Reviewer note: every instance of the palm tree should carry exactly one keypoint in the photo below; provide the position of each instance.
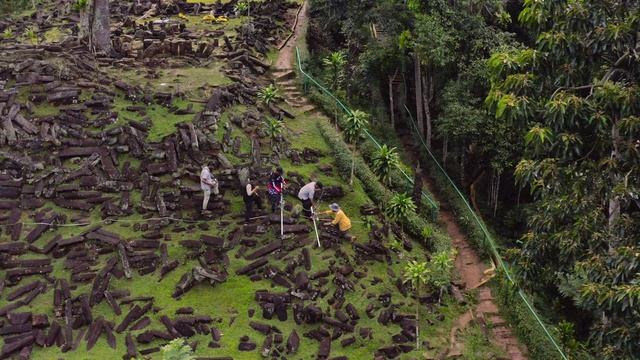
(417, 274)
(273, 128)
(384, 160)
(335, 62)
(355, 122)
(268, 94)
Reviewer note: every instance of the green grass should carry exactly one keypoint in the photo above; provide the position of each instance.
(163, 122)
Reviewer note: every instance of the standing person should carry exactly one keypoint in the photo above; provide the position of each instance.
(275, 187)
(250, 196)
(340, 221)
(306, 195)
(207, 184)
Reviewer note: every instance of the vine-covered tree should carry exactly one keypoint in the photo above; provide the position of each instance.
(577, 94)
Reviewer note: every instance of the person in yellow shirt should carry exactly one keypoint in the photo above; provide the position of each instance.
(340, 220)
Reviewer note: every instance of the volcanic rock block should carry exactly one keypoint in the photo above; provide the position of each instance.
(269, 248)
(260, 327)
(252, 266)
(132, 352)
(293, 342)
(247, 346)
(213, 241)
(10, 348)
(325, 348)
(23, 290)
(141, 324)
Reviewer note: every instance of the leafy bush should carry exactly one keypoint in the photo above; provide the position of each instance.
(177, 349)
(80, 5)
(241, 8)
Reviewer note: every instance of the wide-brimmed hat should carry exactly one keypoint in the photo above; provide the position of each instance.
(334, 207)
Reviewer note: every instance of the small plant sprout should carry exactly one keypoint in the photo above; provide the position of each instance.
(416, 274)
(7, 33)
(273, 128)
(268, 94)
(32, 35)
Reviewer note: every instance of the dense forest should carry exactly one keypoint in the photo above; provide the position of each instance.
(534, 109)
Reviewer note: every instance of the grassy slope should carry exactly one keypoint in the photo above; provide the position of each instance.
(230, 302)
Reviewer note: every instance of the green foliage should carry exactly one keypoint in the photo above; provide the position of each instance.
(335, 63)
(273, 128)
(80, 5)
(400, 206)
(384, 160)
(7, 33)
(354, 124)
(440, 267)
(416, 274)
(269, 94)
(177, 349)
(577, 161)
(380, 194)
(32, 34)
(241, 7)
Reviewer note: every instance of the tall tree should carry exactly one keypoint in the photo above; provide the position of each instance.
(94, 25)
(577, 92)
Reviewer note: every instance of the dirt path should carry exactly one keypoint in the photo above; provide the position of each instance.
(471, 270)
(287, 53)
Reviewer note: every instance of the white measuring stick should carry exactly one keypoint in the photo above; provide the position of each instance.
(281, 216)
(315, 227)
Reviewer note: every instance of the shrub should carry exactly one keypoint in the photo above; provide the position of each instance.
(177, 349)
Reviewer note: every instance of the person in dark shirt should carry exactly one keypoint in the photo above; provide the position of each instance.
(275, 187)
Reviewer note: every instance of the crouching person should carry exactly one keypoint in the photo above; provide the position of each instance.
(250, 197)
(340, 221)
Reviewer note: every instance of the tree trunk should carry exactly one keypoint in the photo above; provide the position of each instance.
(614, 200)
(417, 188)
(84, 27)
(417, 318)
(391, 106)
(445, 145)
(353, 165)
(100, 31)
(418, 84)
(427, 96)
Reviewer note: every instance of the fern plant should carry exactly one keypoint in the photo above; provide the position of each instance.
(177, 349)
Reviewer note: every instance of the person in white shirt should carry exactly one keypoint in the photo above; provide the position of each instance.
(208, 183)
(250, 196)
(306, 195)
